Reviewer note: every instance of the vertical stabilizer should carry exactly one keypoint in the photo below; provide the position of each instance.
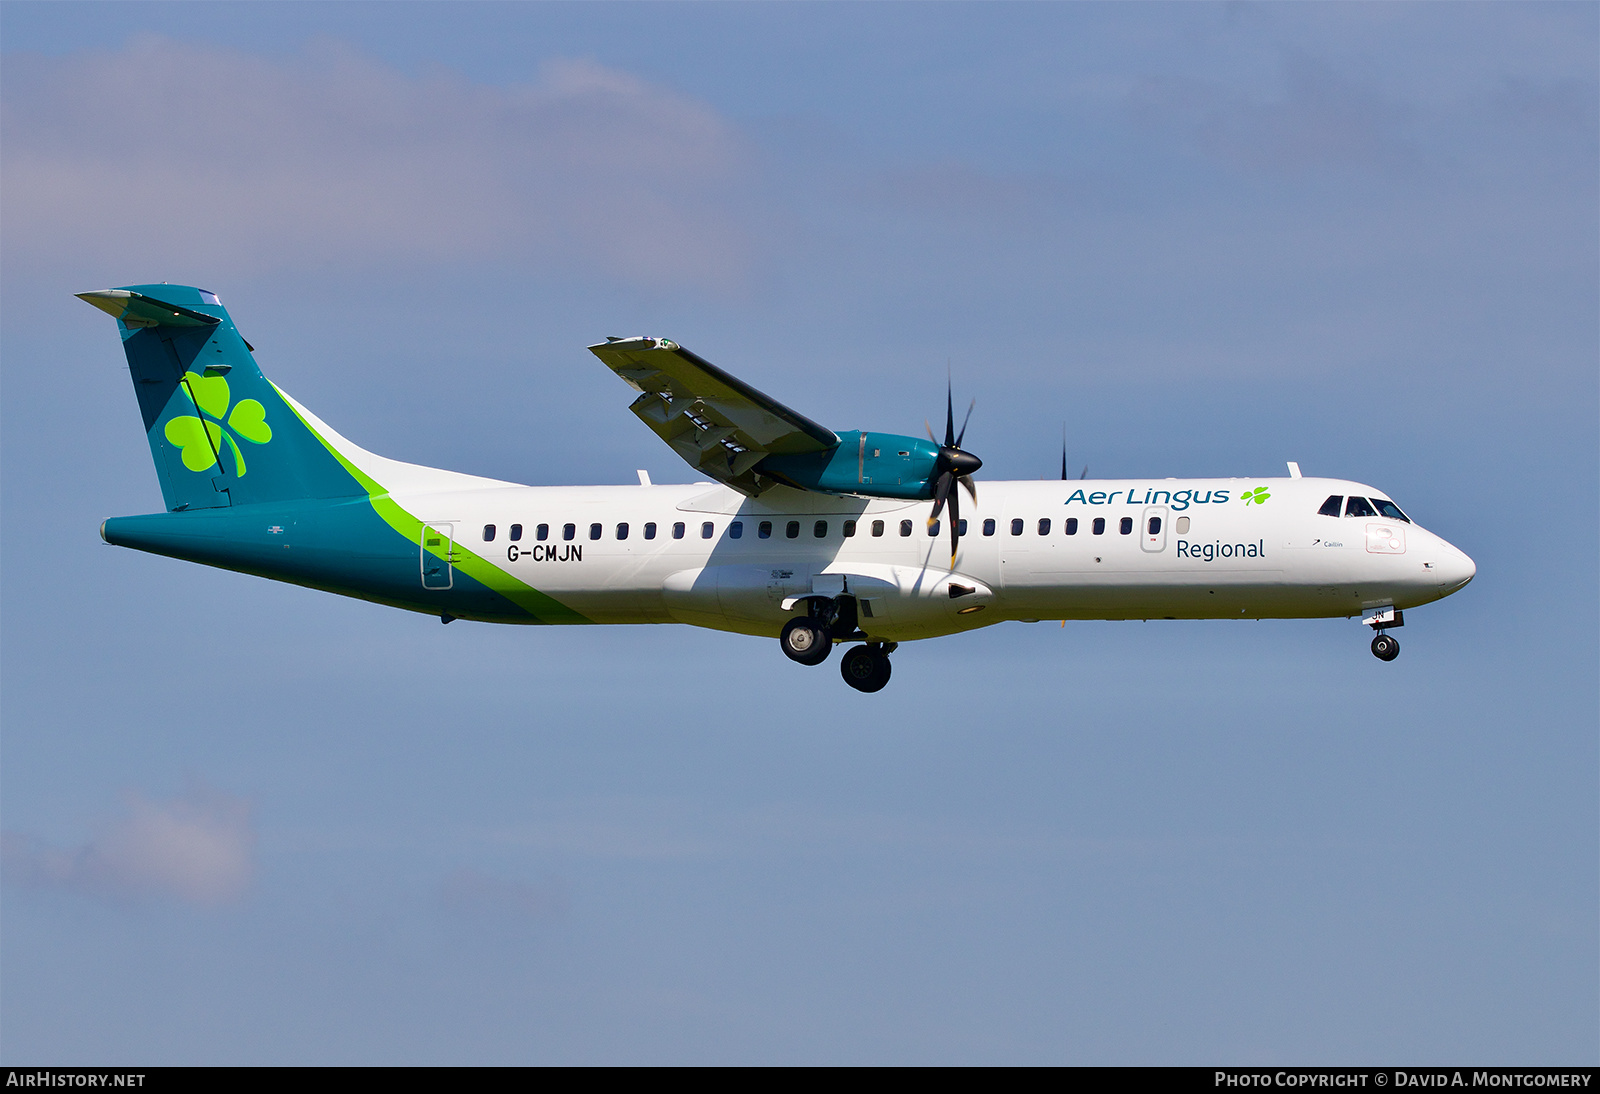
(219, 432)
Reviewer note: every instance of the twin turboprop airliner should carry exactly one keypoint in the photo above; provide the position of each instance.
(799, 533)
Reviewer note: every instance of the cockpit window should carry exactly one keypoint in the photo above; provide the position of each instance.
(1358, 507)
(1331, 507)
(1390, 509)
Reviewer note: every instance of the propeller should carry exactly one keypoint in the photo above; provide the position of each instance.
(953, 466)
(1064, 458)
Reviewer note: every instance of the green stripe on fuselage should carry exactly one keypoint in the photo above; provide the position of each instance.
(541, 606)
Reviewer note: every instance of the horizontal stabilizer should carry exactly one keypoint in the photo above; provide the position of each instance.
(138, 310)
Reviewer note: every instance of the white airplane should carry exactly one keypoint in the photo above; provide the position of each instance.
(805, 535)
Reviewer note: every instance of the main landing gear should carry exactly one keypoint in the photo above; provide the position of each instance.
(806, 641)
(809, 639)
(866, 668)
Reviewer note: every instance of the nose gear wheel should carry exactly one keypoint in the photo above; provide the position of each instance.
(1386, 647)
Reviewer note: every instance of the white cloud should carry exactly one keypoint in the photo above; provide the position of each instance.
(166, 153)
(199, 848)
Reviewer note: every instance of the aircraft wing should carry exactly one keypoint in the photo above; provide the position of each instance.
(722, 426)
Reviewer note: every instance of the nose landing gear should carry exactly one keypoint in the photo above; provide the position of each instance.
(1386, 647)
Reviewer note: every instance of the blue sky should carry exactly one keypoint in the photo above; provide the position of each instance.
(253, 823)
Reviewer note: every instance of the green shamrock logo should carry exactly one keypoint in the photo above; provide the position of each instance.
(201, 437)
(1257, 496)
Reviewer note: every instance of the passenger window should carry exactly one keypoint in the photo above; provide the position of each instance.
(1099, 526)
(594, 531)
(934, 526)
(961, 526)
(877, 528)
(622, 531)
(677, 529)
(1155, 526)
(736, 530)
(488, 533)
(706, 530)
(1127, 526)
(1016, 526)
(905, 528)
(542, 533)
(849, 529)
(764, 530)
(1182, 527)
(569, 531)
(516, 533)
(988, 526)
(1044, 526)
(1358, 507)
(1390, 509)
(792, 530)
(1072, 526)
(820, 529)
(650, 530)
(1331, 507)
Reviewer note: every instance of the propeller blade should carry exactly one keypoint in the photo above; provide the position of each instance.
(1085, 472)
(949, 416)
(941, 493)
(929, 428)
(972, 488)
(955, 525)
(1064, 453)
(962, 435)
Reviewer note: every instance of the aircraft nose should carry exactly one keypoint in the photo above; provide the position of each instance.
(1455, 569)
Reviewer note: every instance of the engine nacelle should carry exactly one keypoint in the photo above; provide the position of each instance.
(873, 465)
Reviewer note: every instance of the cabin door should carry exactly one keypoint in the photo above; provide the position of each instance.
(1153, 536)
(438, 556)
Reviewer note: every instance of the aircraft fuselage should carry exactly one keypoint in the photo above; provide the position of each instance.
(705, 555)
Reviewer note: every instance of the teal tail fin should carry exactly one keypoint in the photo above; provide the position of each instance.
(220, 432)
